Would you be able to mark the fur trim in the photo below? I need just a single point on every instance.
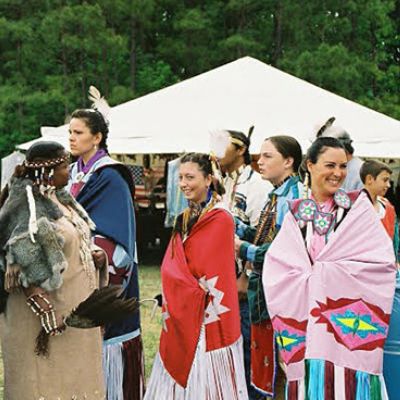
(65, 198)
(42, 262)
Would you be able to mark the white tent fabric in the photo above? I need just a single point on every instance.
(235, 96)
(8, 165)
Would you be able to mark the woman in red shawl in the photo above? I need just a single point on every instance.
(201, 352)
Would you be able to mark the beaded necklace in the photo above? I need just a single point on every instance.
(85, 253)
(266, 227)
(197, 211)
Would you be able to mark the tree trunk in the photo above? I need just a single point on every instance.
(277, 33)
(133, 55)
(65, 76)
(20, 111)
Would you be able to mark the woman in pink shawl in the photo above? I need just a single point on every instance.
(329, 282)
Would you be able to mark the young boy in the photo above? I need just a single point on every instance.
(376, 179)
(375, 176)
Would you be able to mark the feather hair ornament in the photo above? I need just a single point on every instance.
(99, 103)
(250, 132)
(219, 141)
(325, 126)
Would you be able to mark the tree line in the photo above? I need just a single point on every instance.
(51, 51)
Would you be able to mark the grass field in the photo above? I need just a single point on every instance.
(150, 285)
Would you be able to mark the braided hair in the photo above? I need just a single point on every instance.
(244, 142)
(185, 221)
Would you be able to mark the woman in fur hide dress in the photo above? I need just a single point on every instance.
(49, 269)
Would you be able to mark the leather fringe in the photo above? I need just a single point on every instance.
(350, 383)
(133, 383)
(329, 381)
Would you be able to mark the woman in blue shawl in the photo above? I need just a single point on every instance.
(105, 189)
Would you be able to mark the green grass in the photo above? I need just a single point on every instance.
(1, 377)
(150, 285)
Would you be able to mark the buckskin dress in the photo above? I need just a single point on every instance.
(73, 369)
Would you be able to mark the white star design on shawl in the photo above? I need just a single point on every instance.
(165, 315)
(214, 308)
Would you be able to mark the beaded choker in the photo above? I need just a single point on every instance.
(282, 182)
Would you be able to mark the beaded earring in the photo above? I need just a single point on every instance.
(51, 178)
(43, 184)
(306, 185)
(37, 177)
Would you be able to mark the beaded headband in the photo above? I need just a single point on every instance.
(46, 163)
(238, 142)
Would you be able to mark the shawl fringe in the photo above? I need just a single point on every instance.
(123, 366)
(343, 384)
(214, 375)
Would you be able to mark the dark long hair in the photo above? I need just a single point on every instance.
(288, 146)
(246, 143)
(95, 122)
(205, 166)
(318, 147)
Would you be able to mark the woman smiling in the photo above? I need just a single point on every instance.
(331, 295)
(201, 353)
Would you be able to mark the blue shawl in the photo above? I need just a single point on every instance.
(107, 197)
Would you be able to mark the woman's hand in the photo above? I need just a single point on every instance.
(99, 258)
(11, 281)
(242, 284)
(60, 325)
(40, 302)
(238, 243)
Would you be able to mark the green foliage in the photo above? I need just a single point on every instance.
(51, 51)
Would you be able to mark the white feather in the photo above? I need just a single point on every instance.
(33, 228)
(99, 103)
(219, 141)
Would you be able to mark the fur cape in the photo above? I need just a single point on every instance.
(41, 263)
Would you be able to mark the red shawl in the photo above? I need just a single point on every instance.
(206, 256)
(389, 220)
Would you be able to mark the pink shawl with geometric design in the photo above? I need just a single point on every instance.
(338, 308)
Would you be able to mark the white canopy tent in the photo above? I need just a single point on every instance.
(235, 96)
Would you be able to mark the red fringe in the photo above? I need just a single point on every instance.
(329, 381)
(292, 390)
(350, 383)
(133, 384)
